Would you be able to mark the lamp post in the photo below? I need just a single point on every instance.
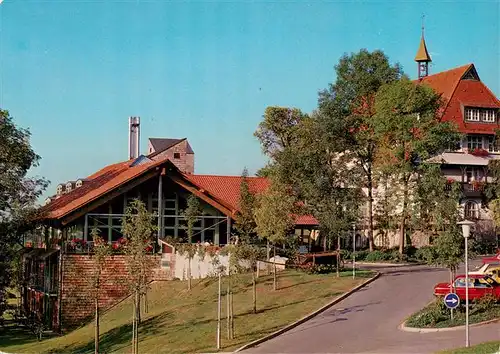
(353, 250)
(466, 225)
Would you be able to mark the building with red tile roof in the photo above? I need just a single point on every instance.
(475, 111)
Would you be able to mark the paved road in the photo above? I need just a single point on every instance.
(367, 321)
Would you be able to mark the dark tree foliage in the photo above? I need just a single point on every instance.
(18, 193)
(347, 108)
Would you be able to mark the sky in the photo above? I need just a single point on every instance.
(74, 71)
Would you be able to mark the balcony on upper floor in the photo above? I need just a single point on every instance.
(474, 189)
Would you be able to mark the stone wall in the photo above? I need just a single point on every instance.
(185, 161)
(77, 304)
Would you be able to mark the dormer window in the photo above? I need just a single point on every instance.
(472, 114)
(68, 187)
(59, 189)
(78, 183)
(486, 115)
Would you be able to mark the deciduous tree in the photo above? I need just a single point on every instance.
(348, 107)
(191, 215)
(274, 216)
(18, 193)
(409, 131)
(99, 258)
(138, 228)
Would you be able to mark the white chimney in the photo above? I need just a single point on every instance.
(133, 137)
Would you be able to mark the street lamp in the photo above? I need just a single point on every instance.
(466, 225)
(353, 250)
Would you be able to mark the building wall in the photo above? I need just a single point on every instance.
(185, 161)
(77, 304)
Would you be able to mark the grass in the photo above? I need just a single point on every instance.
(483, 348)
(185, 322)
(436, 315)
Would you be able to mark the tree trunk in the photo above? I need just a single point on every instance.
(138, 310)
(146, 307)
(275, 280)
(338, 256)
(370, 210)
(96, 339)
(231, 298)
(134, 313)
(254, 293)
(402, 225)
(189, 273)
(228, 313)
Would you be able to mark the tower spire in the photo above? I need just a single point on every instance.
(423, 58)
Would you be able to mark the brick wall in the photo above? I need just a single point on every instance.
(76, 298)
(185, 162)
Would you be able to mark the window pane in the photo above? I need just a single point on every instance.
(209, 236)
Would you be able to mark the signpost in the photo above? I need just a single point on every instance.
(451, 301)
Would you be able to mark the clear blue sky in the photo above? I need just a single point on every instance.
(74, 71)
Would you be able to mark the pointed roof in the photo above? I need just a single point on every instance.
(422, 53)
(459, 88)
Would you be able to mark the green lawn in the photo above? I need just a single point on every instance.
(483, 348)
(184, 322)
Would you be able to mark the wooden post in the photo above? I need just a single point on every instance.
(160, 207)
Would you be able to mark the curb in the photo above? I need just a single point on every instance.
(307, 317)
(402, 327)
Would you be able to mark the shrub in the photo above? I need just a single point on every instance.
(484, 304)
(360, 255)
(425, 254)
(377, 255)
(430, 315)
(319, 269)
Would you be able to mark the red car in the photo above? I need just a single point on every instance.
(479, 286)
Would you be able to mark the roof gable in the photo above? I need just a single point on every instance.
(161, 144)
(460, 88)
(96, 186)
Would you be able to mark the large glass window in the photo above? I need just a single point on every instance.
(493, 144)
(474, 142)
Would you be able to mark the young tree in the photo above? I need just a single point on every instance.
(101, 252)
(18, 194)
(245, 221)
(348, 106)
(408, 131)
(274, 216)
(137, 228)
(191, 214)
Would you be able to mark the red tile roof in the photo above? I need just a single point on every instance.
(458, 92)
(226, 190)
(95, 186)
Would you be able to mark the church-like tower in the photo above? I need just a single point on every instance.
(423, 58)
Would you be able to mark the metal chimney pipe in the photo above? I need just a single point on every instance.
(133, 137)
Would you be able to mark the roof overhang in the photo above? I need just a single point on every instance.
(202, 194)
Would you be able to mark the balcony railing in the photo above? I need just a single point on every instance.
(475, 188)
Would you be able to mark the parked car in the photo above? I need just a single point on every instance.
(491, 269)
(479, 286)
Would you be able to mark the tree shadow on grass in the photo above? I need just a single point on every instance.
(120, 338)
(15, 335)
